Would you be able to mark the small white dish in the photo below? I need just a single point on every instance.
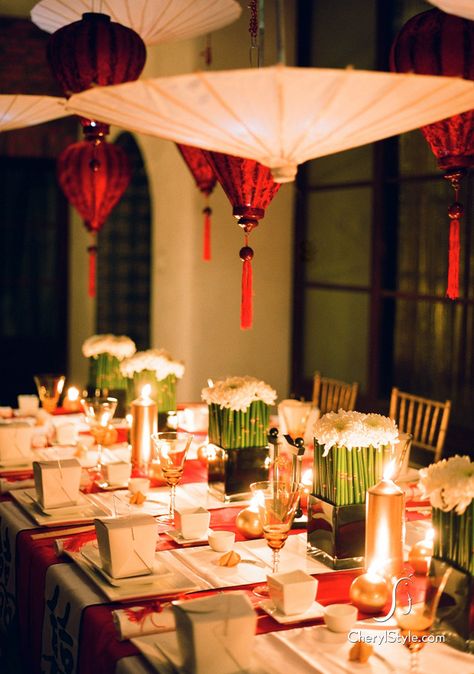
(340, 617)
(136, 484)
(65, 509)
(178, 537)
(221, 541)
(90, 552)
(314, 611)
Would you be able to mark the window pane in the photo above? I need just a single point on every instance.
(352, 165)
(336, 335)
(339, 236)
(415, 155)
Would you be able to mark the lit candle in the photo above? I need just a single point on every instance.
(144, 423)
(71, 402)
(369, 592)
(421, 553)
(385, 526)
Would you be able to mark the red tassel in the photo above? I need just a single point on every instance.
(206, 250)
(453, 262)
(92, 250)
(246, 306)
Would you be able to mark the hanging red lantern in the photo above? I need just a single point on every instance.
(435, 43)
(95, 51)
(250, 188)
(93, 175)
(205, 180)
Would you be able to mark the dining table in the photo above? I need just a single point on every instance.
(58, 615)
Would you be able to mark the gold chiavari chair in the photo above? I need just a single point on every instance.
(330, 395)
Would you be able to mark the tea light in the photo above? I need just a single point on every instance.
(421, 553)
(144, 423)
(248, 522)
(72, 402)
(369, 592)
(385, 526)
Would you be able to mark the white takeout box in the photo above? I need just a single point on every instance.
(215, 634)
(192, 522)
(15, 443)
(117, 472)
(292, 592)
(127, 544)
(67, 433)
(57, 482)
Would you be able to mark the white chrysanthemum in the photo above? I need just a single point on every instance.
(237, 393)
(449, 483)
(119, 346)
(158, 361)
(354, 429)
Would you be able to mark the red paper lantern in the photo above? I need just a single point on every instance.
(205, 180)
(435, 43)
(250, 188)
(93, 175)
(95, 51)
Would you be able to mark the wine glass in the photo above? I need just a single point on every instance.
(277, 502)
(99, 413)
(50, 387)
(295, 415)
(416, 621)
(171, 448)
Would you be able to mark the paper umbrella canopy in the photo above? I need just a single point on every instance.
(279, 116)
(154, 20)
(464, 8)
(17, 111)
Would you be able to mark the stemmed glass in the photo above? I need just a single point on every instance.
(277, 502)
(50, 387)
(416, 621)
(171, 448)
(295, 416)
(99, 413)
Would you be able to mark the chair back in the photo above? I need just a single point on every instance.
(426, 420)
(330, 395)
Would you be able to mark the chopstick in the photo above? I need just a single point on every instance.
(62, 532)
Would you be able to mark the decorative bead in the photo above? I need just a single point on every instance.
(94, 165)
(456, 210)
(246, 253)
(369, 593)
(248, 523)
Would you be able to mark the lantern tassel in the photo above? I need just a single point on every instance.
(453, 260)
(206, 249)
(92, 250)
(246, 306)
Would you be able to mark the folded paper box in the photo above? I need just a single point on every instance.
(57, 482)
(215, 634)
(118, 472)
(192, 522)
(15, 443)
(127, 544)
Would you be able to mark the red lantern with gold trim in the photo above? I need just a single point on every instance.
(250, 188)
(435, 43)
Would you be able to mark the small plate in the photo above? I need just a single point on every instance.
(91, 553)
(62, 510)
(314, 611)
(112, 487)
(178, 538)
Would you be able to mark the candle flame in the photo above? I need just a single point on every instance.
(307, 477)
(253, 505)
(73, 394)
(430, 534)
(210, 383)
(146, 390)
(129, 419)
(389, 470)
(375, 570)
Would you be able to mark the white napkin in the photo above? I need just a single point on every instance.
(135, 622)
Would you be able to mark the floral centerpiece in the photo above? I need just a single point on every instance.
(105, 353)
(351, 450)
(449, 484)
(239, 414)
(157, 368)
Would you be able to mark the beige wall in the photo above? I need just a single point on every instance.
(196, 305)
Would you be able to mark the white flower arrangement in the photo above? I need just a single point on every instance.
(158, 361)
(354, 429)
(118, 346)
(238, 393)
(449, 483)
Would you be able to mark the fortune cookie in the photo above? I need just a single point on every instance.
(230, 558)
(360, 652)
(138, 498)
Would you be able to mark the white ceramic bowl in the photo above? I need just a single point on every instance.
(136, 484)
(221, 541)
(340, 617)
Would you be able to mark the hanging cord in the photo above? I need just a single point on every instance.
(254, 25)
(207, 51)
(455, 213)
(280, 32)
(206, 245)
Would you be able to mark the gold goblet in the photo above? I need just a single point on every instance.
(50, 387)
(99, 413)
(171, 448)
(277, 502)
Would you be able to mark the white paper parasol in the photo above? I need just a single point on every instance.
(464, 8)
(154, 20)
(279, 116)
(17, 110)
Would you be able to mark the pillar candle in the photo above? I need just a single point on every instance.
(385, 528)
(144, 423)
